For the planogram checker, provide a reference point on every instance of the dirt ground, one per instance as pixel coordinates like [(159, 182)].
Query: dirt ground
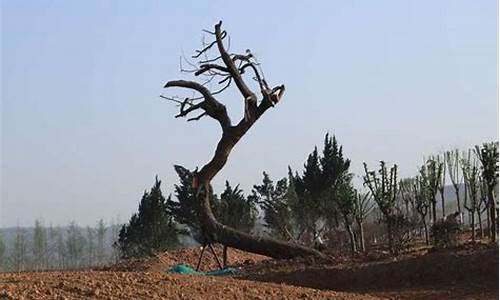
[(466, 272)]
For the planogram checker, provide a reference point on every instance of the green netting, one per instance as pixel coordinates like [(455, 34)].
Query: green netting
[(187, 270)]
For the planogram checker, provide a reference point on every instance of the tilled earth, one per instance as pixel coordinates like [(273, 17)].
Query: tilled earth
[(463, 273)]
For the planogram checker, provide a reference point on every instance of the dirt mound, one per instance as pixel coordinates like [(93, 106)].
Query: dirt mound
[(464, 265), (188, 256)]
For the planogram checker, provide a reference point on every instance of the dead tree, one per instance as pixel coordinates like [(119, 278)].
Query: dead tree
[(223, 70)]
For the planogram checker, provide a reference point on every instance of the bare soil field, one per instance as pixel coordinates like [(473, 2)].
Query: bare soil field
[(466, 272)]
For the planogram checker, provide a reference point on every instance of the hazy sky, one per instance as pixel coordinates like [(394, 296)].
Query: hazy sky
[(84, 131)]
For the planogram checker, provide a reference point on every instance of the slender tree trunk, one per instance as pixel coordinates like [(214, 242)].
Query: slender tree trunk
[(473, 226), (488, 222), (493, 222), (434, 215), (443, 204), (352, 239), (426, 232), (457, 193), (389, 237), (224, 256), (481, 234), (361, 236)]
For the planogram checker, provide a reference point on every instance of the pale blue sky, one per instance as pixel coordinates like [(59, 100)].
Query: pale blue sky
[(84, 132)]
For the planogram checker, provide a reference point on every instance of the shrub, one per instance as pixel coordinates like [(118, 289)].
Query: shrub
[(444, 233)]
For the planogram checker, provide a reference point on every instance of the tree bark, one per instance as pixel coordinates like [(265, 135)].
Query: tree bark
[(481, 234), (426, 232), (443, 204), (361, 236), (493, 222), (457, 193), (226, 235), (434, 216), (351, 235), (473, 227)]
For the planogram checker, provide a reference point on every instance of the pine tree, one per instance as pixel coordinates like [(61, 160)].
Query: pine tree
[(235, 210), (340, 196), (310, 190), (151, 229)]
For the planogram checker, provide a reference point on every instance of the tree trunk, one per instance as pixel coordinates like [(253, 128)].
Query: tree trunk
[(457, 193), (224, 256), (434, 215), (426, 232), (488, 222), (361, 236), (481, 234), (493, 222), (472, 225), (389, 237), (351, 236), (443, 204), (217, 232)]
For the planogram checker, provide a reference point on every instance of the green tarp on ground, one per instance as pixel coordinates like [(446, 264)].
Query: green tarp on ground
[(187, 270)]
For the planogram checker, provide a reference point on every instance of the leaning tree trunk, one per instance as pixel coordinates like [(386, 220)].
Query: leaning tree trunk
[(352, 239), (230, 70)]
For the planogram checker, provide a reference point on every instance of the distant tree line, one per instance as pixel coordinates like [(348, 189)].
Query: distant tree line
[(55, 248)]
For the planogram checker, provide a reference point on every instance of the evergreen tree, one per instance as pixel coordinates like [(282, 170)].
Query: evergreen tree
[(310, 190), (273, 200), (39, 246), (339, 195), (235, 210), (151, 229), (186, 209)]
